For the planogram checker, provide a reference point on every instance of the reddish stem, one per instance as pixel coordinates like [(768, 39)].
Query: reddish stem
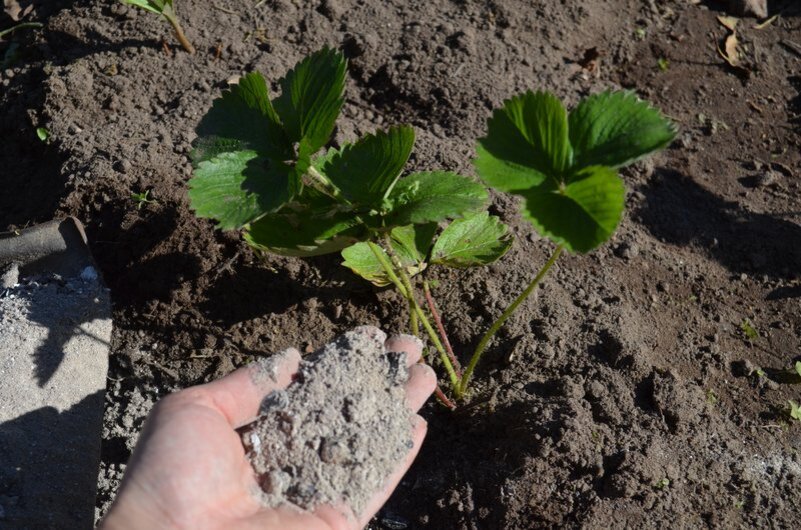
[(438, 321), (444, 399)]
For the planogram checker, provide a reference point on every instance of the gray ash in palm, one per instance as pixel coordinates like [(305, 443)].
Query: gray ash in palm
[(338, 431)]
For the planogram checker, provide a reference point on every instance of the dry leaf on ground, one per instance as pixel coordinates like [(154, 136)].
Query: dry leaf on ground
[(15, 11)]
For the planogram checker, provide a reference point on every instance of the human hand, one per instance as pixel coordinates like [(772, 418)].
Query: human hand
[(189, 468)]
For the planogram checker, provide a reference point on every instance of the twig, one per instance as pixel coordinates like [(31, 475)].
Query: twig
[(792, 46), (226, 267), (438, 321), (225, 10)]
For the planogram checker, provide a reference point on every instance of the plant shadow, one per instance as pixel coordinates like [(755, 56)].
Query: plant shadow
[(679, 211), (459, 479), (251, 291)]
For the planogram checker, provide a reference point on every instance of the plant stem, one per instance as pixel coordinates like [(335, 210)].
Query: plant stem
[(438, 321), (23, 25), (169, 14), (443, 398), (482, 345), (407, 291), (387, 266), (322, 184), (414, 322)]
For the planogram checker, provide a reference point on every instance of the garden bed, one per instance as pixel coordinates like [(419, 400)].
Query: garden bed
[(627, 392)]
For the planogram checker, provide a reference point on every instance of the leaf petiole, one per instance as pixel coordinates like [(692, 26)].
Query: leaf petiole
[(432, 307), (404, 285), (482, 345)]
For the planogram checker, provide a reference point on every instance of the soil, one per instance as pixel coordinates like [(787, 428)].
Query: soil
[(626, 394), (313, 445)]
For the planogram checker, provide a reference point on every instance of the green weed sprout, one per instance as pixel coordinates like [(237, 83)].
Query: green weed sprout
[(795, 410), (165, 8), (142, 198), (564, 166), (260, 167)]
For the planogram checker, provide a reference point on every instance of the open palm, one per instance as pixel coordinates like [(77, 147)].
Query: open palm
[(189, 468)]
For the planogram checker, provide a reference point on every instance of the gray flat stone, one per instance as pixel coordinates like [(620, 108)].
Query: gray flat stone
[(55, 332)]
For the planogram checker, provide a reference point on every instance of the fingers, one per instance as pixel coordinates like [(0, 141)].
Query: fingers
[(405, 343), (422, 379), (238, 395), (419, 428), (421, 383)]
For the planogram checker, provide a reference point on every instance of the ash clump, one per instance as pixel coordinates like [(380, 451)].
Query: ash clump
[(338, 431)]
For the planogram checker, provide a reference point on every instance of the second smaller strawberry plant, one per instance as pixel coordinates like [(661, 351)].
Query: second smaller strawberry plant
[(165, 9)]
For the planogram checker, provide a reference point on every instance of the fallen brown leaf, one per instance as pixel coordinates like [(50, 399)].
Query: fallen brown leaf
[(15, 11)]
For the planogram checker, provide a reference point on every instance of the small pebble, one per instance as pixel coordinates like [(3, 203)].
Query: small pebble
[(89, 274)]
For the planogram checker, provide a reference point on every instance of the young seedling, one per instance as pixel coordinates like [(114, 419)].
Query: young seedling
[(748, 330), (260, 167), (564, 165), (165, 9), (141, 199), (43, 134)]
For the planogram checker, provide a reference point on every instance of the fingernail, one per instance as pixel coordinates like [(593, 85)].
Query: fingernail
[(412, 338)]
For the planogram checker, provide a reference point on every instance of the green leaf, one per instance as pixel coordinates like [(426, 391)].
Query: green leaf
[(798, 367), (411, 244), (43, 134), (527, 141), (795, 410), (302, 234), (236, 188), (475, 240), (154, 6), (368, 169), (311, 98), (581, 213), (242, 119), (432, 197), (615, 128)]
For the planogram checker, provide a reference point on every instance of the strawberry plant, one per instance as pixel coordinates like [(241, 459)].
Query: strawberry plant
[(261, 167), (564, 166), (165, 9)]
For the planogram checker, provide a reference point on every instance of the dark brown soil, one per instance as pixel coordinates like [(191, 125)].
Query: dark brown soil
[(622, 396)]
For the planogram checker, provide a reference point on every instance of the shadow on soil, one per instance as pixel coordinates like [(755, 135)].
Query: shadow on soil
[(31, 169), (462, 471), (780, 7), (679, 211), (254, 290)]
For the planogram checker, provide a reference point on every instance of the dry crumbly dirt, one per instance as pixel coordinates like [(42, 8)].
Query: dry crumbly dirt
[(624, 395)]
